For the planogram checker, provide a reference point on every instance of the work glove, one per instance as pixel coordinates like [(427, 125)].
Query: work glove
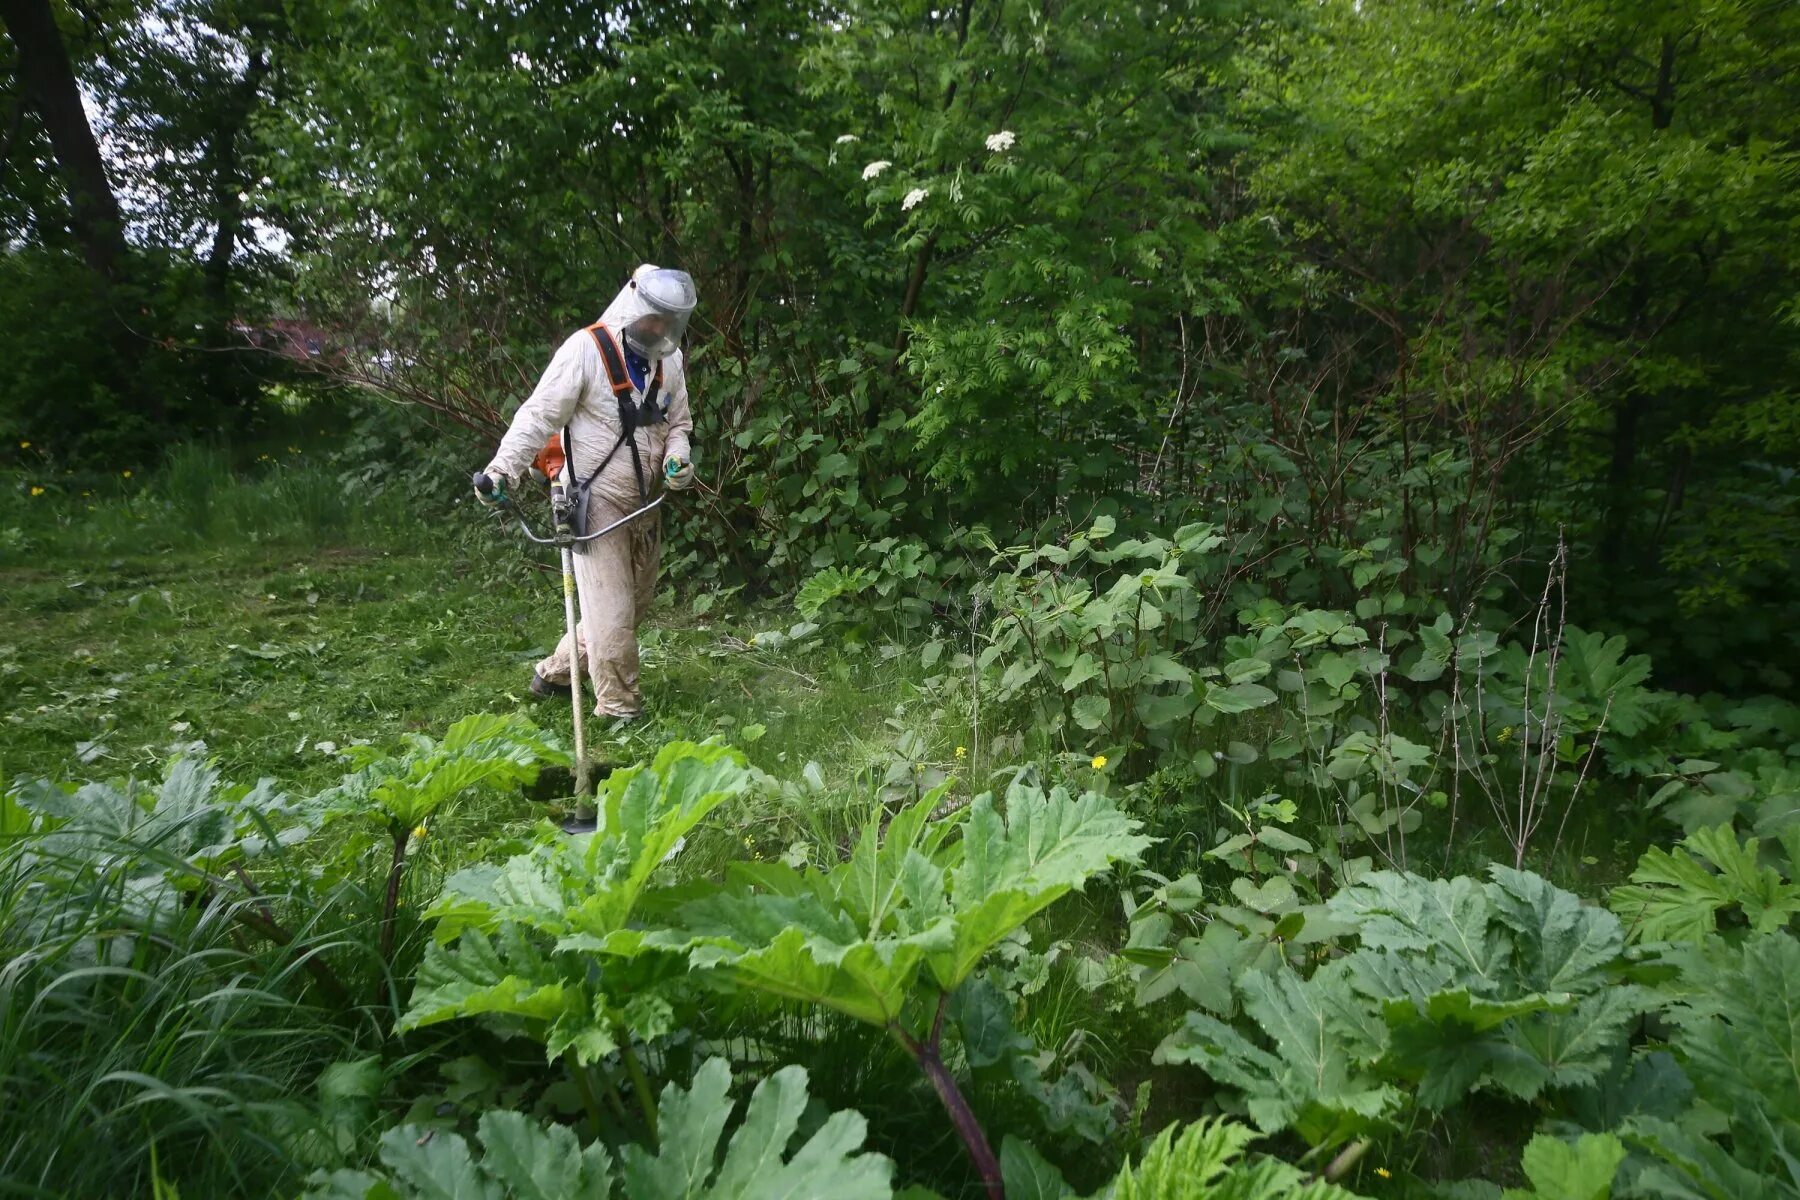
[(495, 497), (678, 472)]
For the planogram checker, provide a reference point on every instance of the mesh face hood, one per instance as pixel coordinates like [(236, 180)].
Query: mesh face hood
[(651, 312)]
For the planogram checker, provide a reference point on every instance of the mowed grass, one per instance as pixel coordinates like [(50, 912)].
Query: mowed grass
[(126, 646)]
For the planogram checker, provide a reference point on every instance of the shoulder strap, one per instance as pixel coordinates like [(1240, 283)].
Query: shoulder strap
[(612, 357), (620, 378), (652, 411)]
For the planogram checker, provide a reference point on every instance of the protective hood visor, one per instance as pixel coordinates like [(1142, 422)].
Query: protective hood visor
[(665, 302)]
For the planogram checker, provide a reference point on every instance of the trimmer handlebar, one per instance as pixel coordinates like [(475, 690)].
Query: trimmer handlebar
[(485, 485)]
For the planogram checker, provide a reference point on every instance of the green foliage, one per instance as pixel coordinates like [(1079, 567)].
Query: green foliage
[(1458, 985), (1738, 1014), (914, 910), (1559, 1170), (148, 1007), (544, 938), (403, 790), (523, 1160), (1679, 895), (828, 585), (1203, 1162)]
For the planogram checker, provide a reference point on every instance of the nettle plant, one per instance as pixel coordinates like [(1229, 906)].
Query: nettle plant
[(1090, 639), (1114, 644)]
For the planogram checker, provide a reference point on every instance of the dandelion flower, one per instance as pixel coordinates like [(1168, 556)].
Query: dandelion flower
[(1002, 141), (1384, 1172), (418, 832), (962, 752), (844, 139), (1099, 762), (875, 168), (913, 199), (24, 445), (125, 474), (37, 491)]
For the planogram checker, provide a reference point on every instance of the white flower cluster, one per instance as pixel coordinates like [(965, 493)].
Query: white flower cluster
[(844, 139), (1001, 142), (913, 199), (875, 168)]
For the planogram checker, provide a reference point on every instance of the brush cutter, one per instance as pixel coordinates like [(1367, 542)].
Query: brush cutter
[(565, 539)]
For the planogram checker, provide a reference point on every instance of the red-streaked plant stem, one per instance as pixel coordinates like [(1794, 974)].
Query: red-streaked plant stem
[(392, 904), (928, 1054)]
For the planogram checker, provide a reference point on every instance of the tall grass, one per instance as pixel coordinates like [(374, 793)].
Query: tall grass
[(192, 482), (196, 499), (143, 1044)]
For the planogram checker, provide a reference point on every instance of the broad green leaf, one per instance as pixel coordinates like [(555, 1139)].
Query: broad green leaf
[(1562, 944), (691, 1122), (524, 1159), (1677, 895), (542, 934), (1239, 697), (477, 977), (1441, 916), (435, 1166), (1559, 1170), (1091, 711), (1028, 1175), (857, 937), (541, 1162), (1085, 668)]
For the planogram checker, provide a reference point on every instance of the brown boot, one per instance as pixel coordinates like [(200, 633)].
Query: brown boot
[(543, 689)]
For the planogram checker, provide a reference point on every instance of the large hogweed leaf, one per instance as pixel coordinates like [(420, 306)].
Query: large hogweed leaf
[(522, 1159), (544, 937), (484, 750), (1578, 1170), (915, 908), (159, 842), (1506, 984), (1316, 1078), (1677, 895), (1738, 1012)]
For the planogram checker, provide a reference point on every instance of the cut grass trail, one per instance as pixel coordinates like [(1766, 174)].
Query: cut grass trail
[(274, 656)]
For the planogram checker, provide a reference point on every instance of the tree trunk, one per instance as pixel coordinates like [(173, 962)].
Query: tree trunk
[(1626, 417), (49, 83), (228, 203)]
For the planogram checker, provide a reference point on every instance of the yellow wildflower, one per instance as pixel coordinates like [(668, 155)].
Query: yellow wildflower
[(37, 491), (24, 445), (962, 752), (1384, 1172), (1099, 762), (126, 473), (419, 832)]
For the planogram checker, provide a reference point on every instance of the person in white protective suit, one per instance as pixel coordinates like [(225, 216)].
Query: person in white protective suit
[(625, 370)]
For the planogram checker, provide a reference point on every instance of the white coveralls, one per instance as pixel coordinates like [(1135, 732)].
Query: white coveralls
[(615, 576)]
